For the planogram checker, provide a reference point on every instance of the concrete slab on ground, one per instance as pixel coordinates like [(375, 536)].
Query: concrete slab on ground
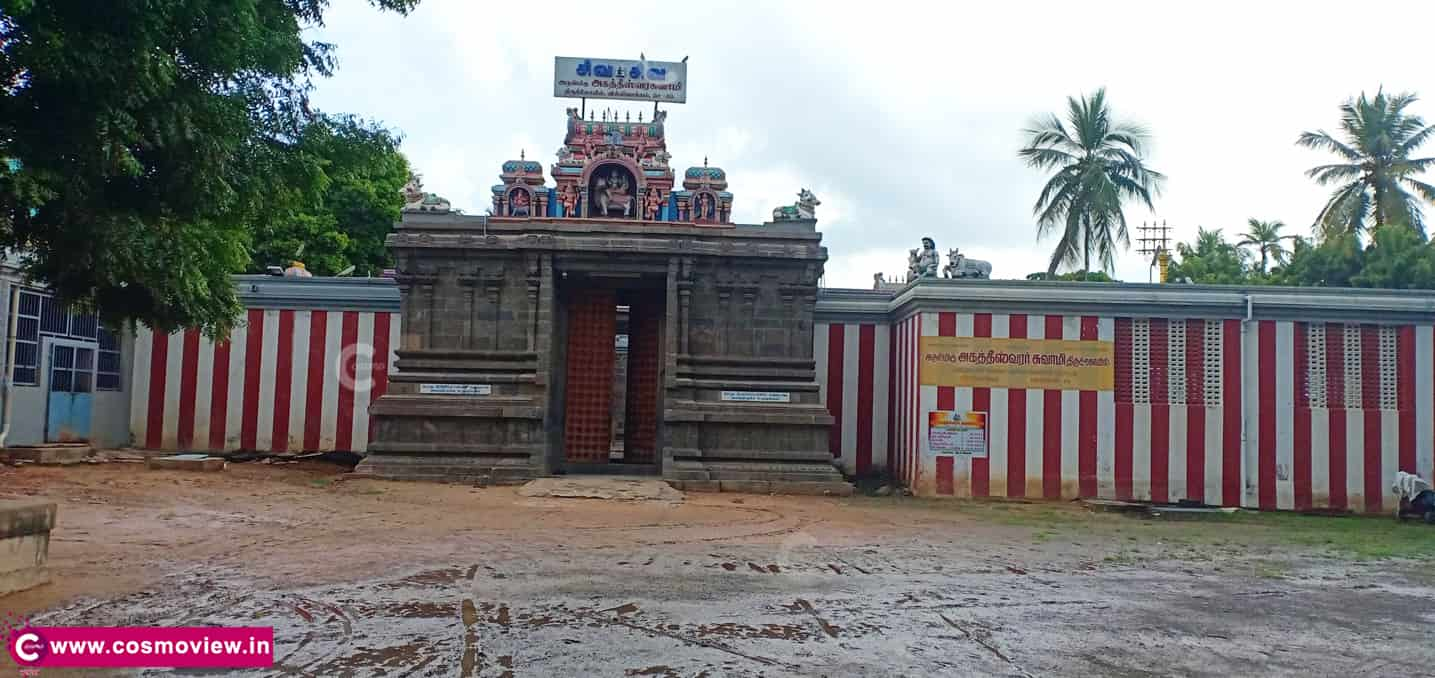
[(49, 455), (602, 487), (187, 462), (24, 543)]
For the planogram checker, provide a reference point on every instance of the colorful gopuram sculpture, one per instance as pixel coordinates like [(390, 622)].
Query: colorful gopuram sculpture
[(612, 169)]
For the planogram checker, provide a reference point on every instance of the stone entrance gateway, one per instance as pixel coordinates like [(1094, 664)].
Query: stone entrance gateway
[(506, 367), (610, 415)]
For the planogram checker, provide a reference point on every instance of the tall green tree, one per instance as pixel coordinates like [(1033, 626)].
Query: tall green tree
[(150, 137), (1211, 260), (340, 223), (1397, 257), (1096, 165), (1265, 237), (1377, 176), (1331, 262)]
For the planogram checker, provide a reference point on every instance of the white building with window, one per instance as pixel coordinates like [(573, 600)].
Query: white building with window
[(63, 373)]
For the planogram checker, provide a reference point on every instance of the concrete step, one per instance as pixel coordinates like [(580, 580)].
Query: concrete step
[(187, 462), (49, 455), (602, 487)]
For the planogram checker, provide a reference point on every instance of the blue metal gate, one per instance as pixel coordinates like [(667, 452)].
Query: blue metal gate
[(71, 385)]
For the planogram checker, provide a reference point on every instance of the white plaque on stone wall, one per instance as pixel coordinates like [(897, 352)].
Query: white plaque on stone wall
[(757, 396), (456, 389)]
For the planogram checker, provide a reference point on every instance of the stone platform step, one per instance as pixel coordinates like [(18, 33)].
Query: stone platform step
[(763, 477), (59, 454), (602, 487), (444, 468)]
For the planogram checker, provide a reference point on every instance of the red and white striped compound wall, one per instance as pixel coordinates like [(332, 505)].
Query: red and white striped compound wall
[(854, 365), (1286, 415), (286, 380), (1263, 414)]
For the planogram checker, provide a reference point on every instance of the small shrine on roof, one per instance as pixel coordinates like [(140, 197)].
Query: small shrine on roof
[(613, 169)]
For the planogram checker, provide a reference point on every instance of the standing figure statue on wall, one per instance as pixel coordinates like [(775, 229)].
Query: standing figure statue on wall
[(568, 198), (913, 268), (652, 204), (929, 261), (703, 208)]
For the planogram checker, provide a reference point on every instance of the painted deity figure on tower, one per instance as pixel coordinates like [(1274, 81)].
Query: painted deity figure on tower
[(568, 198), (613, 194), (519, 207)]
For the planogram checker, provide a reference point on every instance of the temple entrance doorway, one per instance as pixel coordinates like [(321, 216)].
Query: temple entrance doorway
[(613, 378)]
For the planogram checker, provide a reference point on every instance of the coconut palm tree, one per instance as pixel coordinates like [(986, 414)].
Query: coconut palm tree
[(1377, 177), (1096, 164), (1266, 238)]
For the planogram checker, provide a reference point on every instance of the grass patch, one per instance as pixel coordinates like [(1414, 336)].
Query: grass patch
[(1243, 533), (1357, 537), (321, 482), (1270, 569)]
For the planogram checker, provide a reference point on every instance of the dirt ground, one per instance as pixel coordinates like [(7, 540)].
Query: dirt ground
[(365, 577)]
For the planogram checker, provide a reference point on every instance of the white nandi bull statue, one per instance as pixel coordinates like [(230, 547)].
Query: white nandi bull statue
[(417, 200), (804, 209), (958, 266)]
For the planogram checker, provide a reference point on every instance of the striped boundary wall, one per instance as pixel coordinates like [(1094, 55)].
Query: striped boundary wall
[(854, 367), (1282, 415), (286, 380), (1271, 414)]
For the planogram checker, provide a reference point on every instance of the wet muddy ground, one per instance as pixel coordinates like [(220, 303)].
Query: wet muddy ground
[(362, 577)]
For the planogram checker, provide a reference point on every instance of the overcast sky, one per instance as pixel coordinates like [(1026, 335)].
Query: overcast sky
[(905, 120)]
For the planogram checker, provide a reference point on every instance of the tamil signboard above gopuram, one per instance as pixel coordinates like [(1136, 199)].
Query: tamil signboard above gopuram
[(642, 80)]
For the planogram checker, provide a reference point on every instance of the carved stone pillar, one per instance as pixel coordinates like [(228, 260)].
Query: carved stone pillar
[(670, 343), (416, 289), (544, 302), (788, 294), (685, 293), (749, 316), (804, 326), (470, 283), (533, 263), (493, 296), (724, 311)]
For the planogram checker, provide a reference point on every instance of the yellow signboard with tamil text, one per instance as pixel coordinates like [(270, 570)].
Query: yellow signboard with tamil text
[(982, 362)]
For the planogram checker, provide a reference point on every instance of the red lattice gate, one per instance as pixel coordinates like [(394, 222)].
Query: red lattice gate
[(587, 422)]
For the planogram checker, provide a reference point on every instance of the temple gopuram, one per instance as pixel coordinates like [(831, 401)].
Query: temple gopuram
[(604, 319)]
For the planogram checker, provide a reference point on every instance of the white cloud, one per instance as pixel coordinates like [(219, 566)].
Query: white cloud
[(905, 121)]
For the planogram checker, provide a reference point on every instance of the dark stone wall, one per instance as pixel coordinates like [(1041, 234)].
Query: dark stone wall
[(483, 304)]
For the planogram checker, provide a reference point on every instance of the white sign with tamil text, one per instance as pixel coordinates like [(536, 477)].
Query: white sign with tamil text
[(957, 433), (585, 78), (456, 389), (757, 396)]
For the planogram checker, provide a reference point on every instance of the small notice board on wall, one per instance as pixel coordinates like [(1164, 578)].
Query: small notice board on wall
[(957, 433)]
